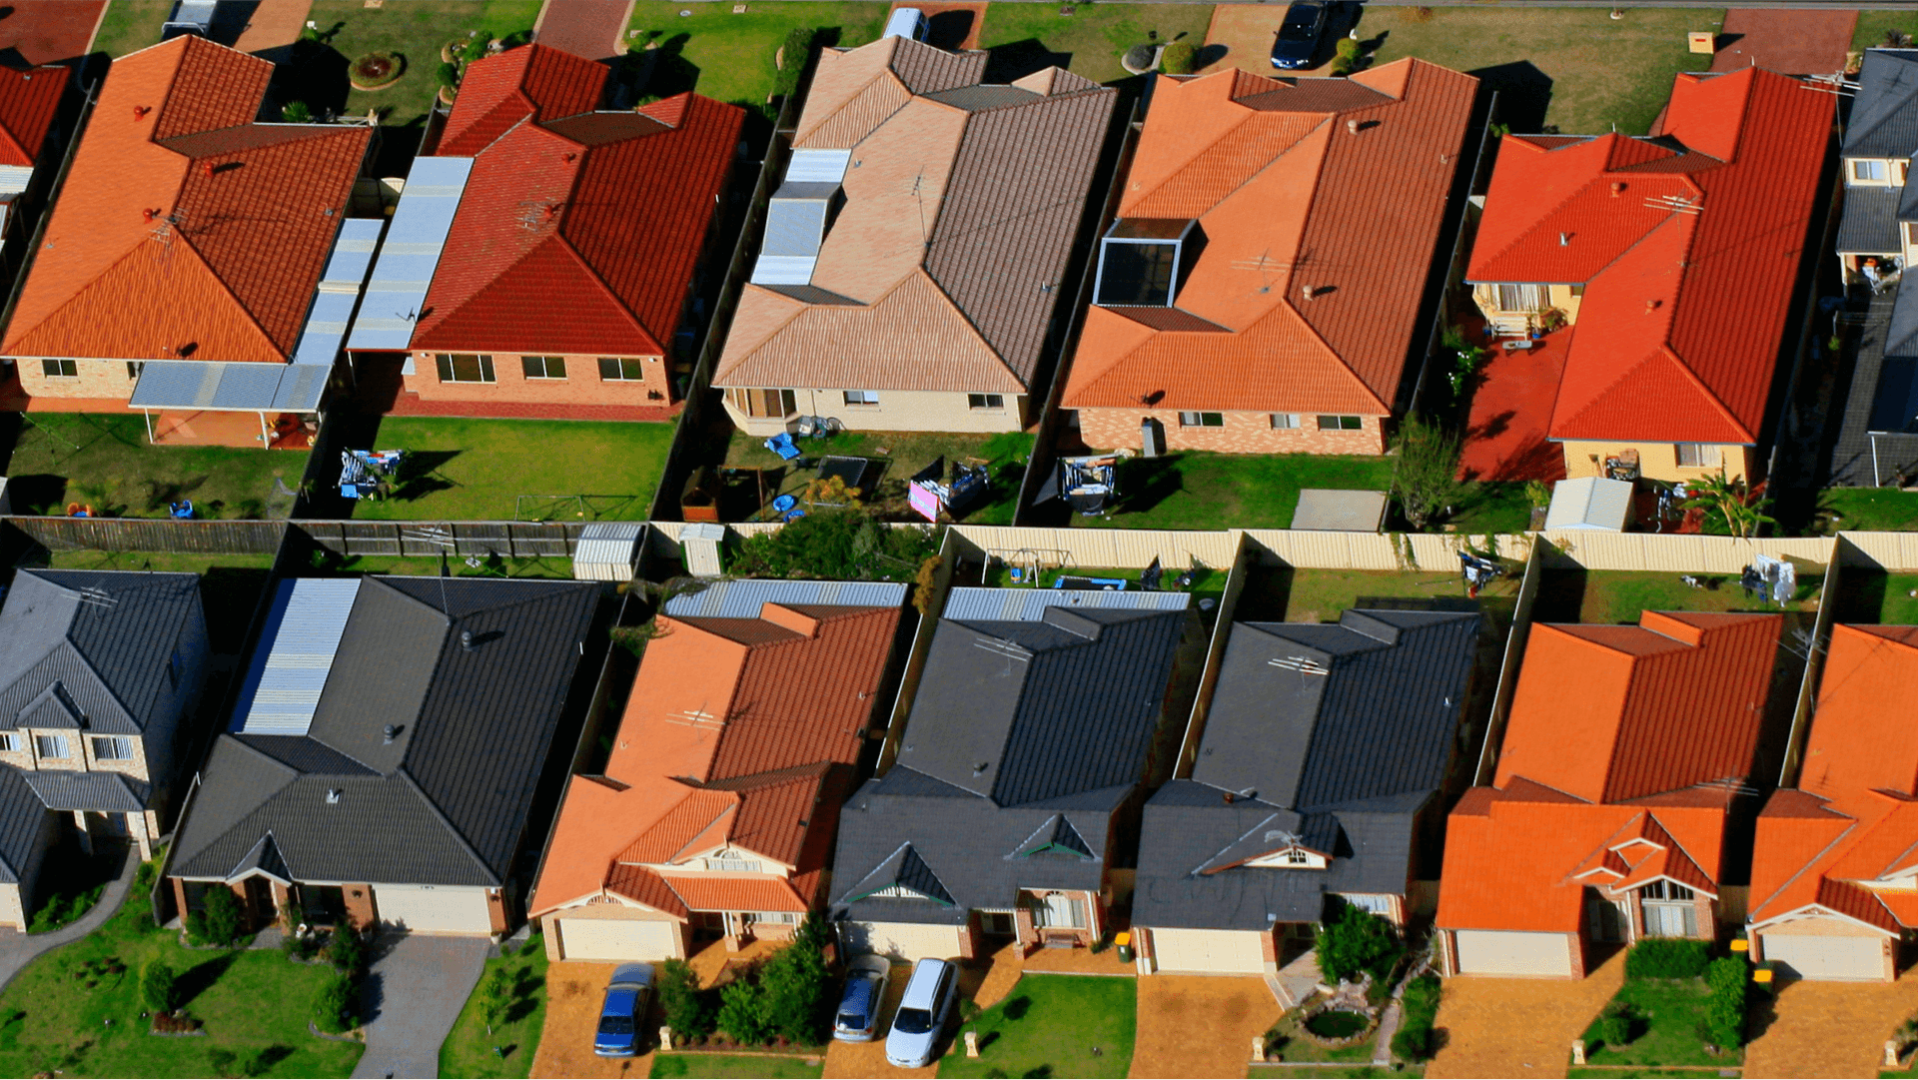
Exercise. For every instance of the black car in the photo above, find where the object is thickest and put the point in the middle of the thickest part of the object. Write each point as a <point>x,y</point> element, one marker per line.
<point>1297,41</point>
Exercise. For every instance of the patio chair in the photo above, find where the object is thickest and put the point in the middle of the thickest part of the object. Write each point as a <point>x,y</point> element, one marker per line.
<point>782,444</point>
<point>182,509</point>
<point>787,508</point>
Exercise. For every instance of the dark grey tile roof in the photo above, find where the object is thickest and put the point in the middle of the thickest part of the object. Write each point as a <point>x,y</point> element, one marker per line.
<point>1012,207</point>
<point>1884,123</point>
<point>106,637</point>
<point>1870,221</point>
<point>97,791</point>
<point>21,816</point>
<point>472,674</point>
<point>1331,737</point>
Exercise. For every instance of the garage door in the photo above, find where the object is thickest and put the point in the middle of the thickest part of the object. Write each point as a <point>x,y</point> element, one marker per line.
<point>1213,952</point>
<point>428,910</point>
<point>900,941</point>
<point>1826,957</point>
<point>1508,952</point>
<point>618,939</point>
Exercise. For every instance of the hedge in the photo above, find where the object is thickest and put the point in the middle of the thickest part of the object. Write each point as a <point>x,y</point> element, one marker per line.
<point>1668,958</point>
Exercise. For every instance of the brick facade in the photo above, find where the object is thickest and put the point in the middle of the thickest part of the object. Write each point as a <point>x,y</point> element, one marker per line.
<point>512,390</point>
<point>97,379</point>
<point>1242,433</point>
<point>360,908</point>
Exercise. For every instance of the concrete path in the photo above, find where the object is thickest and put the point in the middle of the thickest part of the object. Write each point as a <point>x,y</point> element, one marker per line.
<point>1388,1027</point>
<point>1794,42</point>
<point>414,992</point>
<point>594,29</point>
<point>17,950</point>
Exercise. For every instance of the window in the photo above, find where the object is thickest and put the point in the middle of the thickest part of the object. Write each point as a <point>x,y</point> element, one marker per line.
<point>1376,903</point>
<point>1697,455</point>
<point>543,367</point>
<point>60,369</point>
<point>1521,297</point>
<point>9,742</point>
<point>732,863</point>
<point>1059,910</point>
<point>1201,419</point>
<point>465,367</point>
<point>1295,857</point>
<point>1666,890</point>
<point>986,401</point>
<point>1285,421</point>
<point>614,369</point>
<point>862,397</point>
<point>1341,423</point>
<point>134,367</point>
<point>112,749</point>
<point>779,918</point>
<point>1868,171</point>
<point>763,403</point>
<point>1911,233</point>
<point>50,746</point>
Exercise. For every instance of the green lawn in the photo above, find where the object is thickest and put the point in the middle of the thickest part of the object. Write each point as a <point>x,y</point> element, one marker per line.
<point>729,57</point>
<point>1873,596</point>
<point>414,30</point>
<point>1409,1072</point>
<point>104,460</point>
<point>1302,595</point>
<point>1669,1012</point>
<point>903,454</point>
<point>1871,509</point>
<point>469,1050</point>
<point>1090,41</point>
<point>726,1065</point>
<point>1658,1074</point>
<point>1196,490</point>
<point>1054,1026</point>
<point>1872,26</point>
<point>526,567</point>
<point>1619,596</point>
<point>1492,508</point>
<point>477,470</point>
<point>130,25</point>
<point>1575,69</point>
<point>254,1005</point>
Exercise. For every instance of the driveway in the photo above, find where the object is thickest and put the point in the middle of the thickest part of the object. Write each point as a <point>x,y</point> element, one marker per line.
<point>594,29</point>
<point>1518,1027</point>
<point>414,992</point>
<point>18,949</point>
<point>1241,36</point>
<point>573,992</point>
<point>1175,1010</point>
<point>48,31</point>
<point>1831,1028</point>
<point>1795,42</point>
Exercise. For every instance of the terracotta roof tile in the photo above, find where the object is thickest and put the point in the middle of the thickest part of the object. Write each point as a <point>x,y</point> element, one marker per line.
<point>29,100</point>
<point>641,884</point>
<point>718,892</point>
<point>537,82</point>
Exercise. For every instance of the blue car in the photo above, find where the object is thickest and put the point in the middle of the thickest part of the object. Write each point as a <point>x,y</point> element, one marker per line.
<point>1298,38</point>
<point>857,1017</point>
<point>628,998</point>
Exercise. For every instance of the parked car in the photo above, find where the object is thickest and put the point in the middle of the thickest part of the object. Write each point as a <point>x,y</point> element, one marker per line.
<point>858,1017</point>
<point>628,996</point>
<point>1297,41</point>
<point>921,1019</point>
<point>907,22</point>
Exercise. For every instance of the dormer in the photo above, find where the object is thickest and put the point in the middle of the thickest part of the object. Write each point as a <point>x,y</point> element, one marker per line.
<point>1142,261</point>
<point>1292,857</point>
<point>799,215</point>
<point>1876,172</point>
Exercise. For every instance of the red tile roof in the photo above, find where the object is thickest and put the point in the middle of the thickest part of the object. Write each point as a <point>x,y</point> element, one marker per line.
<point>1288,196</point>
<point>607,210</point>
<point>716,892</point>
<point>183,228</point>
<point>1689,254</point>
<point>28,101</point>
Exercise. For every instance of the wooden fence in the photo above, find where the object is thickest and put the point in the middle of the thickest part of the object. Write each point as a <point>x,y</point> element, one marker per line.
<point>508,539</point>
<point>154,535</point>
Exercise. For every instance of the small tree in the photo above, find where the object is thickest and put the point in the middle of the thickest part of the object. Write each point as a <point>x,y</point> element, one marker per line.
<point>791,58</point>
<point>1179,58</point>
<point>344,949</point>
<point>297,112</point>
<point>1346,56</point>
<point>742,1012</point>
<point>476,46</point>
<point>1730,982</point>
<point>793,986</point>
<point>1730,503</point>
<point>495,994</point>
<point>160,988</point>
<point>448,75</point>
<point>1425,481</point>
<point>1352,940</point>
<point>220,917</point>
<point>335,1009</point>
<point>685,1007</point>
<point>1617,1025</point>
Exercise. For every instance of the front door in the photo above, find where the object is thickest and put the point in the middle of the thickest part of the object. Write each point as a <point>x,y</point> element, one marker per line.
<point>260,908</point>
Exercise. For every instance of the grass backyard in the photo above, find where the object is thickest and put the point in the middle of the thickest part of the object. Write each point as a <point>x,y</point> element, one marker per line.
<point>478,470</point>
<point>1196,490</point>
<point>1666,1033</point>
<point>1619,596</point>
<point>1054,1025</point>
<point>1088,42</point>
<point>729,56</point>
<point>130,25</point>
<point>1288,594</point>
<point>1873,596</point>
<point>103,460</point>
<point>523,567</point>
<point>414,31</point>
<point>1872,25</point>
<point>469,1049</point>
<point>1870,509</point>
<point>1573,69</point>
<point>728,1065</point>
<point>902,454</point>
<point>72,1013</point>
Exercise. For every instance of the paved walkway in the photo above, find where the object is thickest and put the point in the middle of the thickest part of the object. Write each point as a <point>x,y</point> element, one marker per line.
<point>48,31</point>
<point>1518,1027</point>
<point>1792,41</point>
<point>1511,411</point>
<point>414,991</point>
<point>271,28</point>
<point>595,29</point>
<point>17,950</point>
<point>1831,1028</point>
<point>1200,1025</point>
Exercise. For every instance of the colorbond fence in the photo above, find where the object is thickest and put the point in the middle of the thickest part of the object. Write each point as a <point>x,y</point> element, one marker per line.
<point>508,539</point>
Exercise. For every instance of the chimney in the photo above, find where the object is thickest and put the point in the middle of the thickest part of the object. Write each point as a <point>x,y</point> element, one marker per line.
<point>1618,188</point>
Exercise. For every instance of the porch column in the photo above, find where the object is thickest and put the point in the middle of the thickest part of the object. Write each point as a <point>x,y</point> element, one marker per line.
<point>149,417</point>
<point>265,443</point>
<point>86,838</point>
<point>137,828</point>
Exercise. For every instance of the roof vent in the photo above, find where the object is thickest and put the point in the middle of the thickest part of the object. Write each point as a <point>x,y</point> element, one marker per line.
<point>466,640</point>
<point>333,796</point>
<point>1228,796</point>
<point>980,766</point>
<point>390,733</point>
<point>1309,292</point>
<point>1651,306</point>
<point>140,111</point>
<point>1618,188</point>
<point>1564,239</point>
<point>1352,127</point>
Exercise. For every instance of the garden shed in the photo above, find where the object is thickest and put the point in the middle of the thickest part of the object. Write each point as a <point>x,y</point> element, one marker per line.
<point>608,550</point>
<point>1591,503</point>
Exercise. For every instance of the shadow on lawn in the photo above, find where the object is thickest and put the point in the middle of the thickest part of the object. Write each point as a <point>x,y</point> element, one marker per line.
<point>1144,483</point>
<point>1017,59</point>
<point>1524,94</point>
<point>418,474</point>
<point>198,979</point>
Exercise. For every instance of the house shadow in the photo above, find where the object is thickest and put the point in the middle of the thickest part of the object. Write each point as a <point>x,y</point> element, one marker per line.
<point>1524,93</point>
<point>671,73</point>
<point>1145,482</point>
<point>1016,60</point>
<point>313,73</point>
<point>949,29</point>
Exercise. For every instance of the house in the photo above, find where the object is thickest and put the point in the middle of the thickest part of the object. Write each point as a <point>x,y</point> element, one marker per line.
<point>533,194</point>
<point>1015,795</point>
<point>99,670</point>
<point>29,106</point>
<point>1318,774</point>
<point>1834,886</point>
<point>1673,264</point>
<point>715,813</point>
<point>1605,822</point>
<point>1242,301</point>
<point>917,250</point>
<point>383,761</point>
<point>194,260</point>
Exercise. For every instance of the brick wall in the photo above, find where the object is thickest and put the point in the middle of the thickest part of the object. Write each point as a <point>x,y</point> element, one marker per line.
<point>581,386</point>
<point>97,379</point>
<point>360,910</point>
<point>1243,433</point>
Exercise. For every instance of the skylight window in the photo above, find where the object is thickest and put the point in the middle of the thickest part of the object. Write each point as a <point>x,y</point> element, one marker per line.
<point>1141,261</point>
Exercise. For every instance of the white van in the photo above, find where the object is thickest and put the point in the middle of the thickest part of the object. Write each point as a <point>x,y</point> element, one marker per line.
<point>906,23</point>
<point>921,1019</point>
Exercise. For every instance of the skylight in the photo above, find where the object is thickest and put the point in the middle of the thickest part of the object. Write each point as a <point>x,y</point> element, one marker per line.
<point>1140,262</point>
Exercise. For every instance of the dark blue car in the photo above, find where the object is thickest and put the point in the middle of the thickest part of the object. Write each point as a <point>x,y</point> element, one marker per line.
<point>1298,39</point>
<point>628,996</point>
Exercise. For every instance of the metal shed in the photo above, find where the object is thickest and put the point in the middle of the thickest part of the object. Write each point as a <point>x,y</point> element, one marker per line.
<point>1591,503</point>
<point>608,550</point>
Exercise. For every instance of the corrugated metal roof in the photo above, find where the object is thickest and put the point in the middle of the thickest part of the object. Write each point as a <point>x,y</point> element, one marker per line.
<point>743,599</point>
<point>339,289</point>
<point>239,386</point>
<point>818,166</point>
<point>1029,605</point>
<point>303,632</point>
<point>411,254</point>
<point>609,542</point>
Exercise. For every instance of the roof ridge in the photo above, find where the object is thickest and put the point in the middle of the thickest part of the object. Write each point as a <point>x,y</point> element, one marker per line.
<point>1251,116</point>
<point>252,318</point>
<point>465,845</point>
<point>1815,860</point>
<point>1285,302</point>
<point>921,271</point>
<point>884,72</point>
<point>586,266</point>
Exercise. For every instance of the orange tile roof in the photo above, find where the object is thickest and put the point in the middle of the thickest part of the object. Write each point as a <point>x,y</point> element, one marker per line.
<point>1689,254</point>
<point>1288,196</point>
<point>719,892</point>
<point>28,101</point>
<point>184,229</point>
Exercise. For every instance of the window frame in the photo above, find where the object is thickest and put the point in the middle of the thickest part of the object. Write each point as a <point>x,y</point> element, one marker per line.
<point>115,743</point>
<point>1869,171</point>
<point>1287,421</point>
<point>1703,455</point>
<point>1201,419</point>
<point>10,742</point>
<point>1540,296</point>
<point>986,402</point>
<point>622,369</point>
<point>859,399</point>
<point>1340,422</point>
<point>57,368</point>
<point>753,401</point>
<point>41,742</point>
<point>449,365</point>
<point>545,365</point>
<point>134,368</point>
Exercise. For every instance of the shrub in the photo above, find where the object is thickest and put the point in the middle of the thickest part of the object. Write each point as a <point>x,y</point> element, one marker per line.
<point>1345,58</point>
<point>1413,1042</point>
<point>335,1009</point>
<point>793,54</point>
<point>344,949</point>
<point>686,1008</point>
<point>1179,58</point>
<point>219,918</point>
<point>793,984</point>
<point>1730,982</point>
<point>448,75</point>
<point>160,988</point>
<point>297,112</point>
<point>837,545</point>
<point>475,47</point>
<point>1352,940</point>
<point>742,1013</point>
<point>1617,1024</point>
<point>1668,958</point>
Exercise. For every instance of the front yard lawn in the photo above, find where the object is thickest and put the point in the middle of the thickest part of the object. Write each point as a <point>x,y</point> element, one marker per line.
<point>728,56</point>
<point>1573,69</point>
<point>1054,1025</point>
<point>1286,1038</point>
<point>412,31</point>
<point>130,25</point>
<point>104,460</point>
<point>520,470</point>
<point>1090,41</point>
<point>903,454</point>
<point>1619,596</point>
<point>1196,490</point>
<point>469,1050</point>
<point>1409,1072</point>
<point>1872,25</point>
<point>76,1010</point>
<point>1670,1013</point>
<point>728,1065</point>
